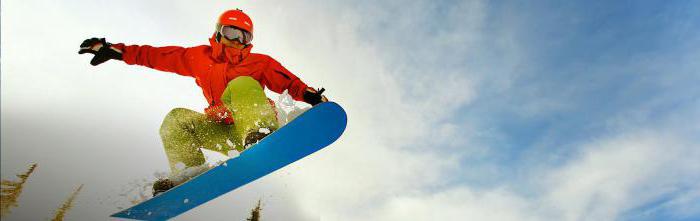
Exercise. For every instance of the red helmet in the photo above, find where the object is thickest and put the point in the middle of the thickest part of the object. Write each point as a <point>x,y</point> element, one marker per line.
<point>237,19</point>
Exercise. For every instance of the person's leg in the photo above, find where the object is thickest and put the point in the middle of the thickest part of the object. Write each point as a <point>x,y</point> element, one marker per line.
<point>254,116</point>
<point>185,131</point>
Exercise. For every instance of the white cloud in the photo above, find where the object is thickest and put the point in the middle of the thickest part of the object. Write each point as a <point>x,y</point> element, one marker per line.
<point>620,173</point>
<point>455,204</point>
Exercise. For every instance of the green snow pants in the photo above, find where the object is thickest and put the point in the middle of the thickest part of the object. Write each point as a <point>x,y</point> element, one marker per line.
<point>185,131</point>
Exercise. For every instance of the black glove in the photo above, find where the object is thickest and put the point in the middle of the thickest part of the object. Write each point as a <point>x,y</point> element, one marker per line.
<point>104,53</point>
<point>314,97</point>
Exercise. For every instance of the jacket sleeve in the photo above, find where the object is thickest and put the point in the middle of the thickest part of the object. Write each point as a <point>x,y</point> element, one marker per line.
<point>277,79</point>
<point>173,59</point>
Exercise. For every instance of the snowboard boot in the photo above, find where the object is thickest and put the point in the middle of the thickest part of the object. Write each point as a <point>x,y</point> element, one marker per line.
<point>254,137</point>
<point>162,185</point>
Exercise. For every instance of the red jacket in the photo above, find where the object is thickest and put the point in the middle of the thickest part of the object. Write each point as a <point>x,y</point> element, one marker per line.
<point>213,66</point>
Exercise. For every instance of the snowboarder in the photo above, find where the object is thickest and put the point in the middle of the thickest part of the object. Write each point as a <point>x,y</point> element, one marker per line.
<point>232,81</point>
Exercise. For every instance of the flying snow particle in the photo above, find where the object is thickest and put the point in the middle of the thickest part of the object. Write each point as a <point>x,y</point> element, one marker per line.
<point>186,201</point>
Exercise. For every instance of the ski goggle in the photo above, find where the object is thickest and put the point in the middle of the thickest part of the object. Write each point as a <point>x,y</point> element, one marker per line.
<point>235,34</point>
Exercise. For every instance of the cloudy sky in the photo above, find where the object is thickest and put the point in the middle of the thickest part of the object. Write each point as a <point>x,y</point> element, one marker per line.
<point>470,110</point>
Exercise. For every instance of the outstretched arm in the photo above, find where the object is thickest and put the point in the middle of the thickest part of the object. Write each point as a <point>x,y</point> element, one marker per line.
<point>171,58</point>
<point>277,79</point>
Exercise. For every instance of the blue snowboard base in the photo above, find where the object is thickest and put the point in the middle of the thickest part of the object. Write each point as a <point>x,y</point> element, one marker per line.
<point>313,130</point>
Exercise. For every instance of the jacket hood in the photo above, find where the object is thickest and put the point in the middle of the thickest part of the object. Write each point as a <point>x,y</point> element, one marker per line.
<point>221,53</point>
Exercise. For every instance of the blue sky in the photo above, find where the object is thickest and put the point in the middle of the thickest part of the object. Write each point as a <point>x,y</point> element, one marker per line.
<point>481,110</point>
<point>583,68</point>
<point>590,63</point>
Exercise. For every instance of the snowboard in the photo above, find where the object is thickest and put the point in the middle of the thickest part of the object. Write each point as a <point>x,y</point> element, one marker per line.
<point>309,132</point>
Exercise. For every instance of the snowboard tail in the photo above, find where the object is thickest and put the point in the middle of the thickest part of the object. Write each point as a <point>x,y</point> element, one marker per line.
<point>313,130</point>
